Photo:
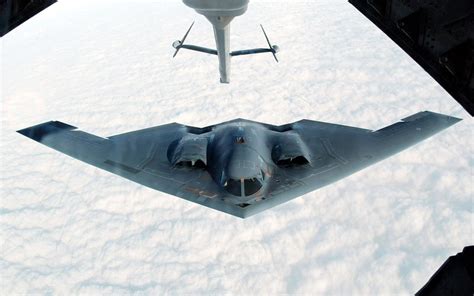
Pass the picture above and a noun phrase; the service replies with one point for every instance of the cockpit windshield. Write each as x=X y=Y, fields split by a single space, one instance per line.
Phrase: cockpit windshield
x=251 y=186
x=234 y=187
x=248 y=186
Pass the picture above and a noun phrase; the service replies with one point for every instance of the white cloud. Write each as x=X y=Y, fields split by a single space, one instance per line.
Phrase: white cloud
x=68 y=228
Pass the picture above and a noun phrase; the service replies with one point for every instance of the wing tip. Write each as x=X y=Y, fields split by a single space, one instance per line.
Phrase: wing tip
x=447 y=119
x=37 y=132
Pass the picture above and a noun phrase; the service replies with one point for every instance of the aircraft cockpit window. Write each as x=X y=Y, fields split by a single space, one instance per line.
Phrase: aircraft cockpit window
x=252 y=186
x=233 y=187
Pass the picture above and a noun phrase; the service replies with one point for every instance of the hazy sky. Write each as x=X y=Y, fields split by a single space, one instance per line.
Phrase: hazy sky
x=106 y=67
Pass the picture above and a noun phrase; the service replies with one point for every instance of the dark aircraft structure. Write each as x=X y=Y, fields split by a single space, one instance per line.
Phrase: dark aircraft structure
x=15 y=12
x=240 y=167
x=454 y=278
x=437 y=34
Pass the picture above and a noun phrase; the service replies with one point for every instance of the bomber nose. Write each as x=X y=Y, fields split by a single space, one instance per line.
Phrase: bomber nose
x=244 y=172
x=242 y=169
x=243 y=164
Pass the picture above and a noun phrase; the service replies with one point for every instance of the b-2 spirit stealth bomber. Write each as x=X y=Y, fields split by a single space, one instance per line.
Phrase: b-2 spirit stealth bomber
x=220 y=13
x=240 y=167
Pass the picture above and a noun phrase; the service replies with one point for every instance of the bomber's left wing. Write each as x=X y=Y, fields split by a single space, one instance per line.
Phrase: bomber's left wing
x=333 y=152
x=356 y=147
x=15 y=12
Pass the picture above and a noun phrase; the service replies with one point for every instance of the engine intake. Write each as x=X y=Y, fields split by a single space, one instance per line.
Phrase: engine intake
x=291 y=151
x=189 y=151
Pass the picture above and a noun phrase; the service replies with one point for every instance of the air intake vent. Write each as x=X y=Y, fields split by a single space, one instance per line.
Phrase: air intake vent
x=190 y=151
x=291 y=151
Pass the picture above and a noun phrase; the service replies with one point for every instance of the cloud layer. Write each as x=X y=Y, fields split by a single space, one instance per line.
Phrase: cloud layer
x=106 y=67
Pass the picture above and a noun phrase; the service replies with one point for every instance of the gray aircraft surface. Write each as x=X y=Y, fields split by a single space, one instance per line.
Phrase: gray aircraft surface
x=240 y=167
x=220 y=13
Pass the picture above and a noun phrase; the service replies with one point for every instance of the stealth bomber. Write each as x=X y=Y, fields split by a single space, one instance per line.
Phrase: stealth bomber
x=239 y=167
x=220 y=13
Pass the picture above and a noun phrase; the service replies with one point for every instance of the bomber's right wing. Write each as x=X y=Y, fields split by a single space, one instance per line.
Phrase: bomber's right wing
x=437 y=34
x=140 y=156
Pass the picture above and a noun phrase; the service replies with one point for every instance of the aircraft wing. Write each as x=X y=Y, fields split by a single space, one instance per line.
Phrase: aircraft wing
x=333 y=152
x=337 y=151
x=140 y=156
x=438 y=35
x=15 y=12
